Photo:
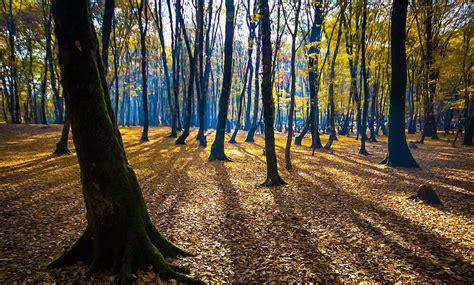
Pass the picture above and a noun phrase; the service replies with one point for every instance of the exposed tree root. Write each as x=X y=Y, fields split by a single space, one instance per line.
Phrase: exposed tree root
x=140 y=251
x=274 y=181
x=406 y=163
x=202 y=140
x=61 y=149
x=79 y=251
x=364 y=152
x=219 y=157
x=182 y=138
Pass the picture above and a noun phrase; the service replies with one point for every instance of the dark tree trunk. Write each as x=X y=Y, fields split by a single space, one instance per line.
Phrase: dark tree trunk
x=431 y=74
x=192 y=78
x=398 y=152
x=332 y=75
x=273 y=178
x=217 y=149
x=253 y=128
x=43 y=92
x=141 y=15
x=289 y=138
x=365 y=110
x=57 y=101
x=305 y=129
x=468 y=103
x=241 y=99
x=159 y=26
x=119 y=233
x=200 y=78
x=313 y=74
x=61 y=146
x=106 y=30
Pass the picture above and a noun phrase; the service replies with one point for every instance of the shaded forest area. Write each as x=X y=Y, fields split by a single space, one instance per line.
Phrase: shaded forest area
x=236 y=141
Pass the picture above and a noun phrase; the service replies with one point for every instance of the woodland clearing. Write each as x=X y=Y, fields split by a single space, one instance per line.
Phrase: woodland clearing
x=342 y=216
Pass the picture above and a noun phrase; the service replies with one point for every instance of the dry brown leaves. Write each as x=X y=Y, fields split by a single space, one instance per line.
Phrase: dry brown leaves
x=343 y=217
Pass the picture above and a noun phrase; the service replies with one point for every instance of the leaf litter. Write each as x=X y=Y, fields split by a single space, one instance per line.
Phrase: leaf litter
x=341 y=218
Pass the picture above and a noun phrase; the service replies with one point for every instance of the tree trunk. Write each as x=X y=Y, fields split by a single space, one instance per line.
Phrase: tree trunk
x=273 y=178
x=253 y=128
x=332 y=75
x=119 y=233
x=241 y=99
x=192 y=74
x=217 y=149
x=289 y=138
x=106 y=30
x=363 y=128
x=398 y=152
x=61 y=146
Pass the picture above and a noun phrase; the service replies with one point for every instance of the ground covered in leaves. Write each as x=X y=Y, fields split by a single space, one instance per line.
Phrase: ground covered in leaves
x=342 y=216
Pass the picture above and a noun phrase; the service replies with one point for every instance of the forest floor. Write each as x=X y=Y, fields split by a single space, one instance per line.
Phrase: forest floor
x=342 y=216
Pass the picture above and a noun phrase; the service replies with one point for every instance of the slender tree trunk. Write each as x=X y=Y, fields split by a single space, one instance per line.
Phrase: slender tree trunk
x=241 y=99
x=398 y=152
x=192 y=74
x=253 y=128
x=273 y=178
x=106 y=30
x=61 y=146
x=332 y=75
x=293 y=88
x=217 y=149
x=363 y=128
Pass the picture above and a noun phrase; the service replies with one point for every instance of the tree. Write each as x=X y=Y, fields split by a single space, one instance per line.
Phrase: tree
x=140 y=10
x=365 y=107
x=251 y=24
x=468 y=102
x=159 y=26
x=119 y=233
x=192 y=75
x=106 y=30
x=273 y=178
x=398 y=152
x=253 y=127
x=332 y=75
x=217 y=149
x=313 y=56
x=293 y=85
x=61 y=146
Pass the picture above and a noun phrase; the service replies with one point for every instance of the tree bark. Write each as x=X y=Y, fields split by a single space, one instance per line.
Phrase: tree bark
x=119 y=233
x=273 y=178
x=217 y=149
x=398 y=152
x=289 y=138
x=365 y=110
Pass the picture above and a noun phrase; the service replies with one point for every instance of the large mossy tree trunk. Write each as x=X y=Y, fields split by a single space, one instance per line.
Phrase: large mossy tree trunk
x=217 y=148
x=119 y=234
x=273 y=178
x=398 y=152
